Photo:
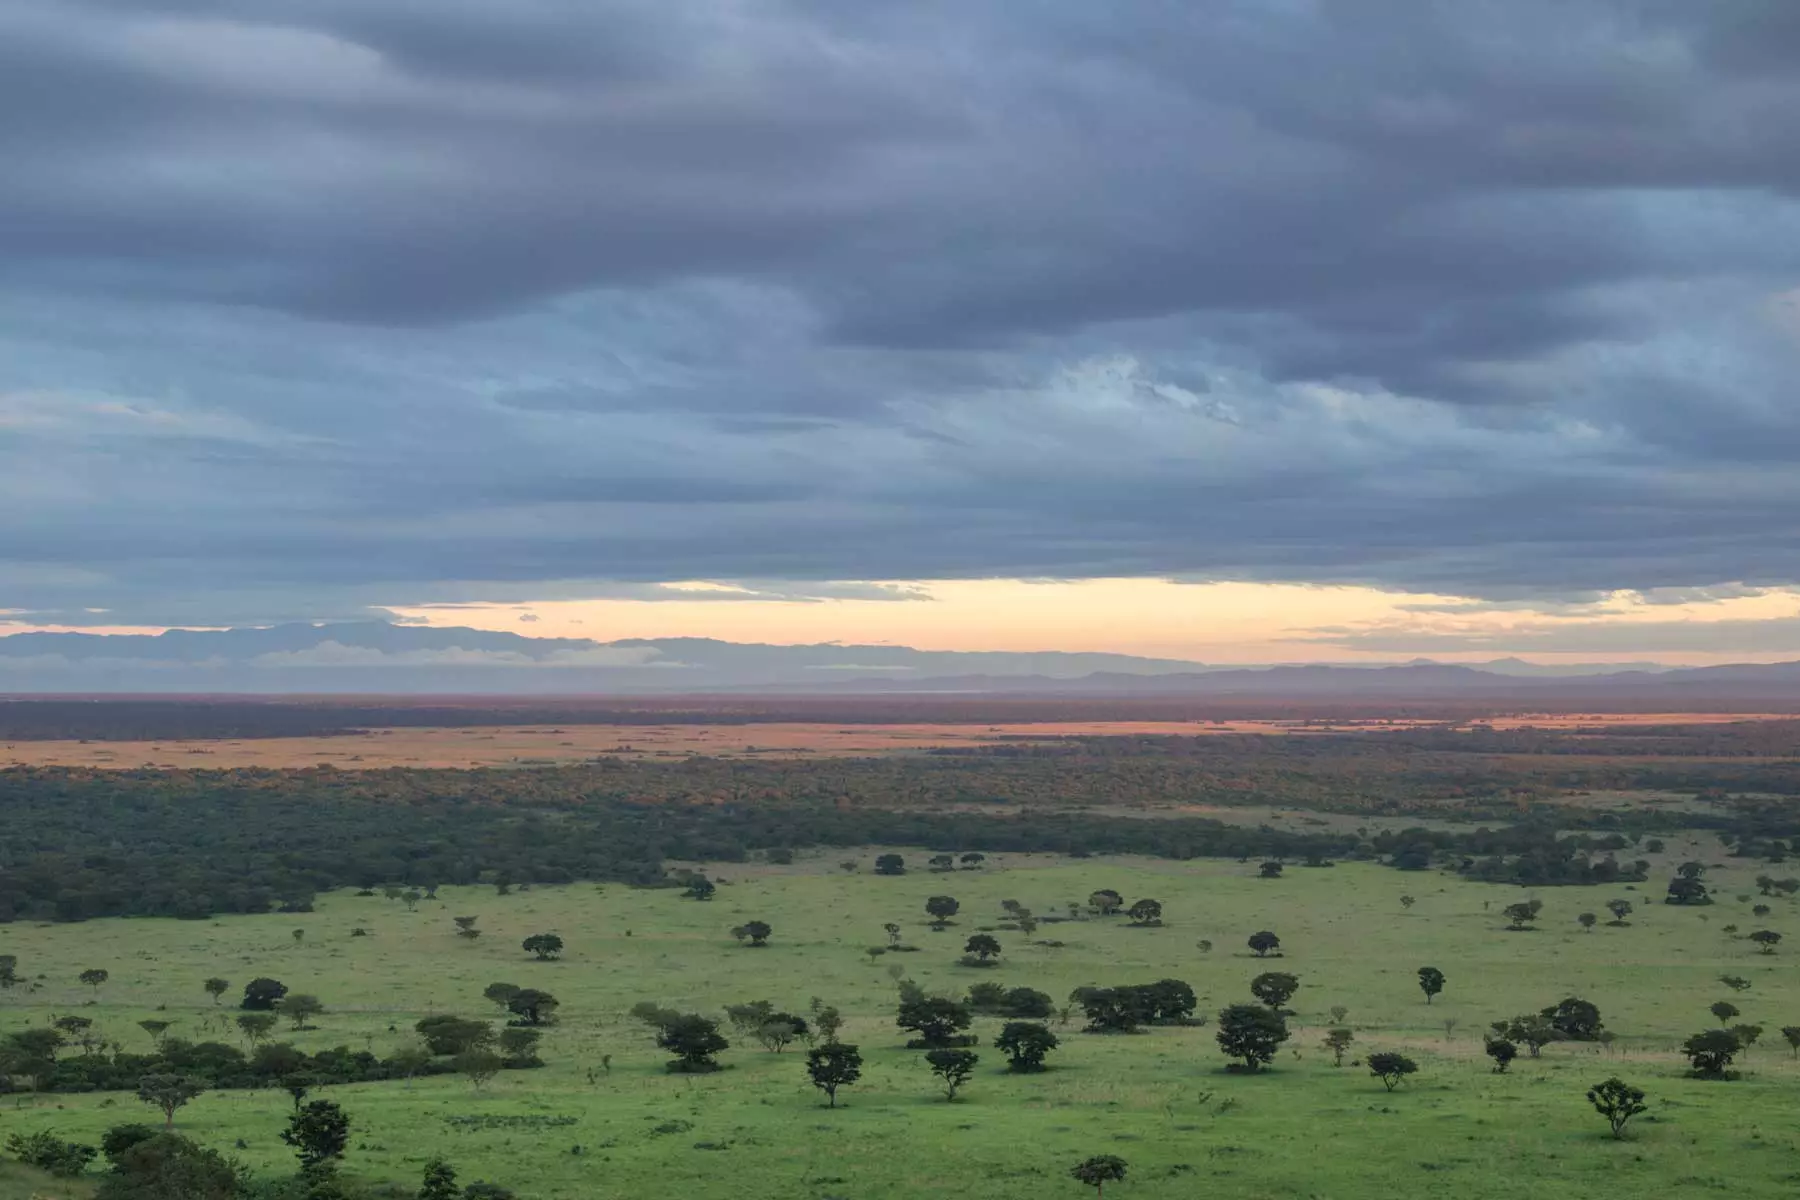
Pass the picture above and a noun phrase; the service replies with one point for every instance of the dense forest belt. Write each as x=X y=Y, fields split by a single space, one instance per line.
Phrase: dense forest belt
x=83 y=844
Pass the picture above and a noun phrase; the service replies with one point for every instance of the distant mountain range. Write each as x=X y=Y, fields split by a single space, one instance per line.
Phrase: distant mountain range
x=382 y=658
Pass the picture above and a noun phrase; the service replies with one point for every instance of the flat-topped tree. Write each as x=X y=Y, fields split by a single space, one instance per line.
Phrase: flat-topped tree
x=532 y=1006
x=1099 y=1171
x=1724 y=1010
x=1521 y=914
x=94 y=977
x=1618 y=1102
x=936 y=1020
x=1145 y=912
x=1269 y=870
x=1264 y=943
x=1391 y=1068
x=168 y=1093
x=981 y=949
x=1766 y=940
x=544 y=946
x=500 y=994
x=1620 y=909
x=465 y=927
x=756 y=932
x=216 y=987
x=1106 y=902
x=890 y=864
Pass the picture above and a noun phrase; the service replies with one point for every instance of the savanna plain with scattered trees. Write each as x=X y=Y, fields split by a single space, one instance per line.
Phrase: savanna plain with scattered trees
x=1492 y=965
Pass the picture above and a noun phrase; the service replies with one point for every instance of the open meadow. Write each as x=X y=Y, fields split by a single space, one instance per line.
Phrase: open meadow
x=603 y=1118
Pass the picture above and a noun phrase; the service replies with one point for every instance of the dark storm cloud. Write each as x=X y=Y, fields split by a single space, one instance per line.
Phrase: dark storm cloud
x=307 y=308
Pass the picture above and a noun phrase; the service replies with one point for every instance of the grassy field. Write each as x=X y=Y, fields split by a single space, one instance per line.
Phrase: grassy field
x=1158 y=1099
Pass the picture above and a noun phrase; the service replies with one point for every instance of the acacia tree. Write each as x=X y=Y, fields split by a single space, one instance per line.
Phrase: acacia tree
x=1263 y=943
x=952 y=1067
x=1269 y=870
x=1531 y=1030
x=1620 y=909
x=532 y=1006
x=465 y=927
x=1766 y=940
x=299 y=1008
x=216 y=987
x=1274 y=988
x=936 y=1020
x=1145 y=912
x=1724 y=1010
x=1391 y=1068
x=890 y=864
x=981 y=949
x=545 y=946
x=1106 y=902
x=695 y=1042
x=1338 y=1042
x=1711 y=1052
x=94 y=977
x=1521 y=914
x=1099 y=1171
x=757 y=931
x=255 y=1026
x=832 y=1066
x=1792 y=1034
x=1431 y=982
x=1407 y=902
x=168 y=1093
x=1025 y=1043
x=1502 y=1052
x=1252 y=1033
x=1618 y=1102
x=941 y=909
x=1587 y=921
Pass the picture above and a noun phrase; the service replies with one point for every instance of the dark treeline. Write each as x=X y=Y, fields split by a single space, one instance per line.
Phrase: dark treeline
x=82 y=844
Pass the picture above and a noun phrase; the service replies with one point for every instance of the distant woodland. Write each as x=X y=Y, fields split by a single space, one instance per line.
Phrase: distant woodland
x=189 y=843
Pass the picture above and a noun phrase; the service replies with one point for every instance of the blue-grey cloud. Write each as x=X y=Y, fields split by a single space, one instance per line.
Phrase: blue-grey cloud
x=310 y=309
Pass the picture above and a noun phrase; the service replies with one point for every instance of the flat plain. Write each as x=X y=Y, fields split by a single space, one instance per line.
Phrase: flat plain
x=587 y=1125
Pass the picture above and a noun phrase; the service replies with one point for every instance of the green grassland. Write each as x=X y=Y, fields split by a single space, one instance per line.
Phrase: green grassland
x=1160 y=1099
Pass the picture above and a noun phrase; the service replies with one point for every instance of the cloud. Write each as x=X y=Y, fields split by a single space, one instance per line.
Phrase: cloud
x=307 y=310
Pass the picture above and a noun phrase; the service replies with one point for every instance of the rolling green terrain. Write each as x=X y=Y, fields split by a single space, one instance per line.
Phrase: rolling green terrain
x=1159 y=1099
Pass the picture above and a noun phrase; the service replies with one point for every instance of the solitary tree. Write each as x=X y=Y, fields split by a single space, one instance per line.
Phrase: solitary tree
x=261 y=994
x=94 y=977
x=700 y=888
x=156 y=1029
x=936 y=1020
x=1618 y=1102
x=695 y=1042
x=952 y=1067
x=545 y=946
x=779 y=1031
x=319 y=1133
x=981 y=949
x=1025 y=1043
x=1407 y=902
x=1724 y=1010
x=1521 y=914
x=941 y=909
x=1587 y=921
x=1106 y=902
x=1620 y=909
x=1391 y=1068
x=1502 y=1052
x=255 y=1026
x=890 y=864
x=1274 y=988
x=942 y=862
x=1252 y=1033
x=1338 y=1042
x=1792 y=1034
x=216 y=987
x=299 y=1008
x=1711 y=1052
x=832 y=1066
x=1431 y=982
x=1766 y=939
x=972 y=861
x=1264 y=942
x=1145 y=912
x=465 y=927
x=893 y=933
x=169 y=1092
x=1270 y=870
x=1099 y=1171
x=1736 y=983
x=757 y=931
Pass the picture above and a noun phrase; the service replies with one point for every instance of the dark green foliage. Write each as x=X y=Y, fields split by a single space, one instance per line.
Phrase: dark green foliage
x=1620 y=909
x=518 y=1048
x=500 y=993
x=261 y=994
x=1252 y=1033
x=700 y=888
x=1711 y=1052
x=1270 y=870
x=1766 y=940
x=1106 y=902
x=1274 y=988
x=1431 y=982
x=115 y=1142
x=941 y=909
x=952 y=1067
x=319 y=1134
x=695 y=1042
x=1124 y=1009
x=543 y=946
x=453 y=1035
x=1532 y=1030
x=1502 y=1052
x=832 y=1066
x=168 y=1093
x=1025 y=1044
x=780 y=1030
x=47 y=1152
x=1338 y=1041
x=994 y=999
x=1618 y=1102
x=532 y=1006
x=1687 y=889
x=299 y=1008
x=478 y=1066
x=439 y=1182
x=1099 y=1171
x=168 y=1166
x=1724 y=1010
x=1145 y=912
x=1791 y=1033
x=890 y=864
x=1264 y=943
x=936 y=1020
x=981 y=949
x=1574 y=1019
x=757 y=931
x=1391 y=1068
x=1520 y=914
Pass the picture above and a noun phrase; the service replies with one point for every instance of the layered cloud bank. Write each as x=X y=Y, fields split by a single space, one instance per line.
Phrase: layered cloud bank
x=312 y=309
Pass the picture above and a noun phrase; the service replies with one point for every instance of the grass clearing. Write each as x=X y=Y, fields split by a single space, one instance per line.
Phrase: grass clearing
x=1158 y=1099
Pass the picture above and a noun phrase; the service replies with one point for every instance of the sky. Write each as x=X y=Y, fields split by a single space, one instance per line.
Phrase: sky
x=1244 y=331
